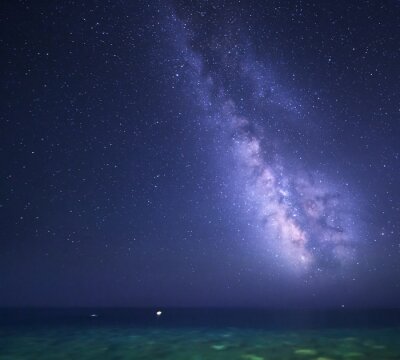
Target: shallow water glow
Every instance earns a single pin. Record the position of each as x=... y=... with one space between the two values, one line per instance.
x=113 y=339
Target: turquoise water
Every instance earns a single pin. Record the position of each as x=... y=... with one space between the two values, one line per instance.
x=146 y=336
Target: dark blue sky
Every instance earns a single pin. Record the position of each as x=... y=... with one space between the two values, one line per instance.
x=200 y=153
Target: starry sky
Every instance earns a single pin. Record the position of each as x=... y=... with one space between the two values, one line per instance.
x=200 y=153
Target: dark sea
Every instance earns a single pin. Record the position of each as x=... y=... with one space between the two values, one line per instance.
x=199 y=334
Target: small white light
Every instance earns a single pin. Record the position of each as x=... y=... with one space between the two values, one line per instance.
x=93 y=315
x=158 y=313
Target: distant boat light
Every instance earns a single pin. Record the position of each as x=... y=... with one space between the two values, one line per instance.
x=158 y=313
x=94 y=315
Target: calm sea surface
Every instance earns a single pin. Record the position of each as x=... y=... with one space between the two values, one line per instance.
x=199 y=334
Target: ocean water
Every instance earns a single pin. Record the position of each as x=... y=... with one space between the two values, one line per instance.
x=199 y=334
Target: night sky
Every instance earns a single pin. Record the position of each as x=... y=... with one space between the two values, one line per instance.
x=200 y=153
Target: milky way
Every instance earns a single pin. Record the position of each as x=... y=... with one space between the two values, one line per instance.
x=200 y=153
x=304 y=219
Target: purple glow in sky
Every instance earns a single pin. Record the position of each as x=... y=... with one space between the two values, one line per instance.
x=305 y=221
